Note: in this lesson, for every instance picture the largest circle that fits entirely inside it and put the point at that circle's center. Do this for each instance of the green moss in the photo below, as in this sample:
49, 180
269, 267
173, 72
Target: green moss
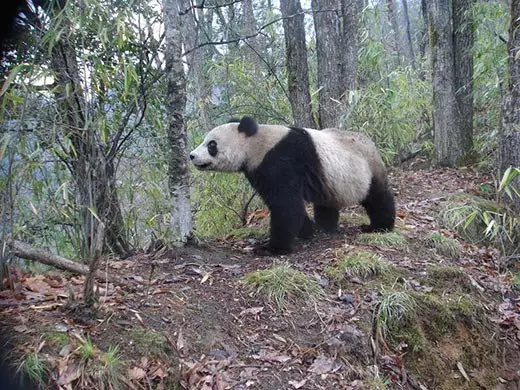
516, 280
57, 339
447, 247
361, 265
392, 239
148, 342
257, 232
448, 278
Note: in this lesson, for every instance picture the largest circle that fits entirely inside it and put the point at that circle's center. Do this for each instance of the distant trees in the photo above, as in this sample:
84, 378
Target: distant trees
451, 41
509, 140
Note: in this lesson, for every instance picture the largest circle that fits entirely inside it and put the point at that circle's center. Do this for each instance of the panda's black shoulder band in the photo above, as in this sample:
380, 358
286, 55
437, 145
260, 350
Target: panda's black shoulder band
248, 126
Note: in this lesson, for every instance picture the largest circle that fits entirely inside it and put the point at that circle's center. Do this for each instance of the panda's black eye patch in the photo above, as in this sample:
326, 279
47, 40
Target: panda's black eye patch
212, 148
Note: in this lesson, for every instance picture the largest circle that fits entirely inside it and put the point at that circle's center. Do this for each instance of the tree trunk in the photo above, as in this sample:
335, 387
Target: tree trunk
463, 56
350, 41
409, 45
423, 44
509, 143
447, 138
296, 59
196, 30
95, 177
392, 16
329, 56
248, 29
178, 173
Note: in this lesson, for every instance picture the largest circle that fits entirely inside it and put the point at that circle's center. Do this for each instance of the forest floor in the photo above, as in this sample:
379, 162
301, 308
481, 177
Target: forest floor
191, 322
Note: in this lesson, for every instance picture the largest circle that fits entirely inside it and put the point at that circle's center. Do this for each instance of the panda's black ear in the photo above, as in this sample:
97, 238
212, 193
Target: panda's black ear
248, 126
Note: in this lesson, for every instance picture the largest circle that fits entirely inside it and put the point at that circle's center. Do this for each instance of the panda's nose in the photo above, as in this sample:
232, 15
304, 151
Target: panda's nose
192, 156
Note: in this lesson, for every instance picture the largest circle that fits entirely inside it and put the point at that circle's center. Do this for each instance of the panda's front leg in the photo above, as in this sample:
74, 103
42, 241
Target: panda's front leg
286, 223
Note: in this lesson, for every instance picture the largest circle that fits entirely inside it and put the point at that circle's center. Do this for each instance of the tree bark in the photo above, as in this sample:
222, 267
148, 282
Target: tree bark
27, 252
350, 42
94, 175
178, 173
463, 38
409, 44
392, 16
197, 26
449, 146
296, 60
509, 140
248, 29
328, 53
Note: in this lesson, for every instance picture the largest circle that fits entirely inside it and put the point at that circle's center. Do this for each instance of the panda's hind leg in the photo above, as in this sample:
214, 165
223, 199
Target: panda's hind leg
380, 207
326, 218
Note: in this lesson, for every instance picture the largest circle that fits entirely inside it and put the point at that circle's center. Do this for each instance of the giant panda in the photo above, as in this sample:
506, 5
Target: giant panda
290, 166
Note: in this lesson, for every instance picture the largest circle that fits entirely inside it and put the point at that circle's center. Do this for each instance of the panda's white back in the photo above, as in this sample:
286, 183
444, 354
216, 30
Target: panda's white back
346, 170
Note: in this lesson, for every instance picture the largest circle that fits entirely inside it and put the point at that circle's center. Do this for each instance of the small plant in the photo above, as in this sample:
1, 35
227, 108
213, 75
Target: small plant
111, 369
58, 339
86, 350
148, 342
392, 239
516, 280
34, 367
361, 265
282, 281
392, 310
445, 246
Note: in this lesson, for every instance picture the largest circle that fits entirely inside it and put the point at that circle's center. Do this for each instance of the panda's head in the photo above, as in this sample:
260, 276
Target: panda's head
225, 147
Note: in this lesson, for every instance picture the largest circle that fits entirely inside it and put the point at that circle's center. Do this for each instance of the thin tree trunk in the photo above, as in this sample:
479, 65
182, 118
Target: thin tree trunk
350, 41
329, 56
248, 29
93, 174
408, 42
392, 16
296, 59
463, 56
509, 140
178, 173
447, 138
197, 26
28, 252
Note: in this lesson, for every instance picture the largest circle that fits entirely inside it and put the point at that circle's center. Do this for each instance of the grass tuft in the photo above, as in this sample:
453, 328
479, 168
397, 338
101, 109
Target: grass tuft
34, 367
361, 265
86, 350
392, 239
282, 282
112, 369
392, 310
445, 246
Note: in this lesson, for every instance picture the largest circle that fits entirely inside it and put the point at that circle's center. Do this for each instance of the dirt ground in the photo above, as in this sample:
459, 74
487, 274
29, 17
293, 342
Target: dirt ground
187, 320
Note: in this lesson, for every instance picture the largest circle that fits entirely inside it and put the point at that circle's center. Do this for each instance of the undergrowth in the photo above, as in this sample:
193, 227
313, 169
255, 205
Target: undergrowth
281, 283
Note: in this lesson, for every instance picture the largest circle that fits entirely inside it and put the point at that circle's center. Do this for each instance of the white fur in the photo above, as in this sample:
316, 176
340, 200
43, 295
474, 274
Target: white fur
349, 160
235, 150
345, 167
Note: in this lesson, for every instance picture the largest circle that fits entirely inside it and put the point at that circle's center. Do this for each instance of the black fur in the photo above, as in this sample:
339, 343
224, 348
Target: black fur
380, 207
248, 126
326, 218
289, 175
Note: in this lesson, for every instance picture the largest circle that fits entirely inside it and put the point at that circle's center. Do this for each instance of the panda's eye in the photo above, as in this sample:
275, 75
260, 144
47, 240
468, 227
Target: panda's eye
212, 148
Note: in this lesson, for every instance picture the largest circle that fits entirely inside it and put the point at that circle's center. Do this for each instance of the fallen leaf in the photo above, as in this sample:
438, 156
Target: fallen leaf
462, 371
252, 310
21, 328
136, 373
322, 365
299, 384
